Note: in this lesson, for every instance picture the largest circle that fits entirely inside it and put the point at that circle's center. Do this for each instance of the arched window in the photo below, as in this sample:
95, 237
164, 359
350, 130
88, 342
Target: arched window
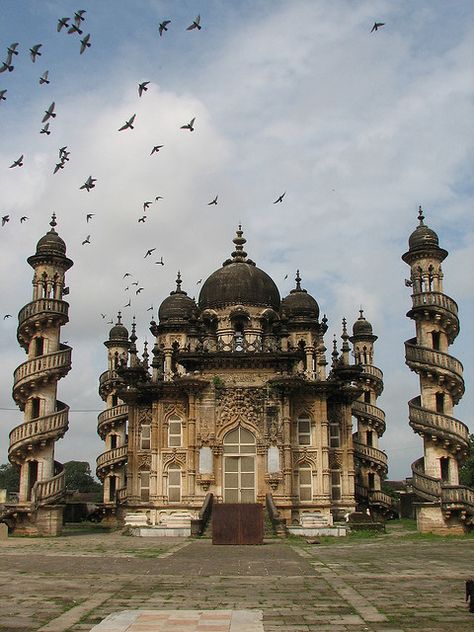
175, 430
39, 346
238, 335
113, 441
174, 483
334, 435
304, 431
145, 437
144, 480
305, 482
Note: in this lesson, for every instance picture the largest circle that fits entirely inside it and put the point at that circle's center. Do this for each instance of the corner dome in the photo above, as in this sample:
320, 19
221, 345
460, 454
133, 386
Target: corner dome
300, 304
51, 243
118, 332
239, 282
362, 327
178, 306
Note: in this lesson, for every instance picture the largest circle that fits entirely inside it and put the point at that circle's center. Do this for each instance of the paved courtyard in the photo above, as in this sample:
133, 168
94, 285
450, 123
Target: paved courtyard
392, 583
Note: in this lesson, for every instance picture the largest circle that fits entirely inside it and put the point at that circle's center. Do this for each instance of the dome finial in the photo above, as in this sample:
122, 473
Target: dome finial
421, 217
361, 312
52, 223
178, 281
298, 280
119, 318
239, 253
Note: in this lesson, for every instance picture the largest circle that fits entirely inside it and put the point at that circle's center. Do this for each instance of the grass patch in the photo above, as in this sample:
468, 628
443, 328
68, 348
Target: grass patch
147, 553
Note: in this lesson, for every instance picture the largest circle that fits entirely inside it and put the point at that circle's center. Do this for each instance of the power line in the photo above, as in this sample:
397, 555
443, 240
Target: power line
71, 410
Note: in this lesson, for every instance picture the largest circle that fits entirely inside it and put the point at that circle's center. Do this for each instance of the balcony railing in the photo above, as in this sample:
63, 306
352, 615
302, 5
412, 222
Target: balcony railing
368, 410
111, 457
448, 427
436, 359
437, 299
36, 367
47, 306
425, 486
111, 415
372, 454
45, 492
377, 497
39, 429
373, 371
458, 495
121, 494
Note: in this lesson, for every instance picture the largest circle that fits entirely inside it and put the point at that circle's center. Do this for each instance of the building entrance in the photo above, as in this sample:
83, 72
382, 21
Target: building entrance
239, 466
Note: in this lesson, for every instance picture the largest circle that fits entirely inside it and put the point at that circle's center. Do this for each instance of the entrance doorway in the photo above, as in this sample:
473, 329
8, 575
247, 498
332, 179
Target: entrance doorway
239, 466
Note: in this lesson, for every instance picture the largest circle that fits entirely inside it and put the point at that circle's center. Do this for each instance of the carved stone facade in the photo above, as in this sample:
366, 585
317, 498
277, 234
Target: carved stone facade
237, 401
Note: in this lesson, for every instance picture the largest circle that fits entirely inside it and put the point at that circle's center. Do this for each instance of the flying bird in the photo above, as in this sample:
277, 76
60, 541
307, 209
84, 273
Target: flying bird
196, 24
129, 303
148, 252
279, 198
59, 165
62, 22
44, 78
142, 87
285, 277
5, 219
125, 289
110, 322
376, 26
160, 262
163, 26
6, 66
89, 216
78, 16
214, 201
17, 163
140, 289
89, 183
150, 309
7, 316
198, 282
128, 124
74, 28
87, 240
126, 275
190, 125
3, 98
85, 43
155, 149
135, 283
12, 50
63, 154
158, 197
104, 315
23, 219
34, 52
146, 205
49, 113
142, 219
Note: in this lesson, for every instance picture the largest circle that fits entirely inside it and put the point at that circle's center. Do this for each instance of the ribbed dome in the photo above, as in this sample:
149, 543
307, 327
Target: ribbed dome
177, 306
300, 304
239, 282
362, 327
118, 331
51, 243
422, 236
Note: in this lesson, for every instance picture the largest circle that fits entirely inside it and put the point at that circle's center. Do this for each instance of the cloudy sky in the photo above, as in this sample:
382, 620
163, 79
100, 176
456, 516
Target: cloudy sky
292, 96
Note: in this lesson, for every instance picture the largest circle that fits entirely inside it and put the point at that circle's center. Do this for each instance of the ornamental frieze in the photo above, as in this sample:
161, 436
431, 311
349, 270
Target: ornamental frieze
240, 405
144, 461
144, 415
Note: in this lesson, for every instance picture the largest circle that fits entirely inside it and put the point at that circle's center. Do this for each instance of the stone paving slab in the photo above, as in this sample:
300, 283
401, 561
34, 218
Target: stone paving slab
182, 621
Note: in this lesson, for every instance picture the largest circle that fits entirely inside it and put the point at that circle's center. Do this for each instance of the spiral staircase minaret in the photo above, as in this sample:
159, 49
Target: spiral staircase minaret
42, 487
444, 505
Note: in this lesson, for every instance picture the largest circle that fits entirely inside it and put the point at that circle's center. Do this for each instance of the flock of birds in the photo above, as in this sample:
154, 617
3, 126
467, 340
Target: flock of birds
75, 26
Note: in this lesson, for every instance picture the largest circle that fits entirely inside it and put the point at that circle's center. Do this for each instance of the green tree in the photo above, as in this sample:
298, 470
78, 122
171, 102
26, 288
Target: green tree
9, 477
466, 473
79, 477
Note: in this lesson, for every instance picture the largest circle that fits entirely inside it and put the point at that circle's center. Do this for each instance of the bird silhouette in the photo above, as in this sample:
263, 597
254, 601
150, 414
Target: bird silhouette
17, 163
104, 315
61, 23
89, 183
279, 198
150, 309
78, 16
63, 154
74, 28
163, 26
23, 219
155, 150
125, 289
198, 282
286, 276
44, 78
140, 289
214, 201
126, 275
45, 129
196, 24
129, 303
160, 262
12, 50
85, 43
7, 316
59, 165
110, 322
34, 52
128, 124
3, 98
89, 216
142, 87
135, 283
158, 197
148, 252
6, 66
87, 240
49, 113
5, 219
146, 205
376, 26
190, 125
142, 219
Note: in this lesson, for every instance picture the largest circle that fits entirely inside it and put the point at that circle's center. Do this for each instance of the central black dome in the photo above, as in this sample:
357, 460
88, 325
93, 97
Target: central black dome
239, 282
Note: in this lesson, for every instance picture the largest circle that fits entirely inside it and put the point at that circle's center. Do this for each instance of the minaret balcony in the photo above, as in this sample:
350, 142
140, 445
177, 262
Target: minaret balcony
108, 381
437, 304
111, 418
45, 368
371, 456
34, 314
457, 498
426, 487
372, 415
380, 499
47, 491
444, 428
111, 459
24, 437
443, 366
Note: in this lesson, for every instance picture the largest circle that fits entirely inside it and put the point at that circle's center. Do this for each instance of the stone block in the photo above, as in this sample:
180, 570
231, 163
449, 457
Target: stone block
3, 531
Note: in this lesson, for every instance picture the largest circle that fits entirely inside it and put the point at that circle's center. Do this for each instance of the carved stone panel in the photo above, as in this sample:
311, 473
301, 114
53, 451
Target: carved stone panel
241, 405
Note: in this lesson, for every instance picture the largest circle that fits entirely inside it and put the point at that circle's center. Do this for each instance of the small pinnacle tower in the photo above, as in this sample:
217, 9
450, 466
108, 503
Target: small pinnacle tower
444, 504
34, 390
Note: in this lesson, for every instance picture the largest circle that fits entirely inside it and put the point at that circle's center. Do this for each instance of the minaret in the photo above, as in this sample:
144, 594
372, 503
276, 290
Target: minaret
444, 504
34, 390
112, 422
371, 462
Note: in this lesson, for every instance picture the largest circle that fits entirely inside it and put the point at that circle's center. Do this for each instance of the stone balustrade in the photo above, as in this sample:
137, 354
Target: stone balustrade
58, 361
53, 425
116, 414
112, 457
449, 428
370, 412
376, 456
437, 299
373, 371
436, 359
44, 492
46, 306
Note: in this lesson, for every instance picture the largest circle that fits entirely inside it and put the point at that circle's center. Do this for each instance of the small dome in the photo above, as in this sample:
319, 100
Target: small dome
51, 243
362, 327
239, 282
300, 304
118, 331
422, 236
177, 306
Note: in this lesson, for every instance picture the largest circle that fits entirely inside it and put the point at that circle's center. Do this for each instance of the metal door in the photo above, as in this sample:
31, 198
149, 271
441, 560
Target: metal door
237, 523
